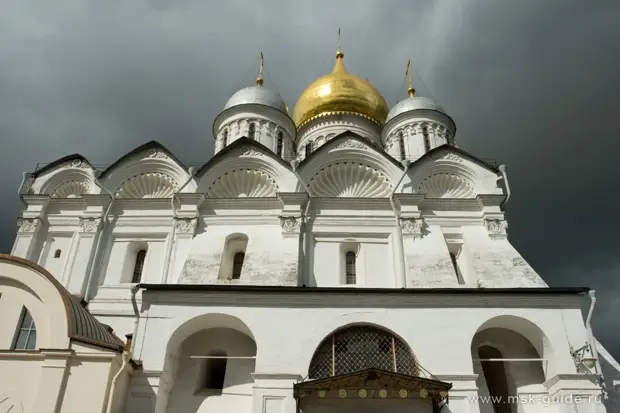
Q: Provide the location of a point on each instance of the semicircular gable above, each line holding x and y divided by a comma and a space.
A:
68, 179
65, 317
149, 171
246, 161
447, 173
349, 148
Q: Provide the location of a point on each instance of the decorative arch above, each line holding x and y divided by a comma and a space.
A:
446, 185
65, 182
350, 179
359, 347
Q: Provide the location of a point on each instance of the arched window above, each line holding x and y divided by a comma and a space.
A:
26, 337
427, 141
237, 265
280, 143
214, 372
359, 348
138, 266
308, 149
252, 131
225, 138
350, 276
57, 253
495, 377
401, 143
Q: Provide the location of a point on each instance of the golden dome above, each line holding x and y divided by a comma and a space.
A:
340, 93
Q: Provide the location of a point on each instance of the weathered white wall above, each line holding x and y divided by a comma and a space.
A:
270, 258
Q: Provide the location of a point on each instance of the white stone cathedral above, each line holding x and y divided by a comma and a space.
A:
350, 258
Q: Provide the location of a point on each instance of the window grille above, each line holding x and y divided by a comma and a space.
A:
308, 149
237, 265
138, 266
252, 131
350, 268
26, 338
359, 348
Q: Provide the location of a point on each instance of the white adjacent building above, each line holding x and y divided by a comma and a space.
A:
347, 258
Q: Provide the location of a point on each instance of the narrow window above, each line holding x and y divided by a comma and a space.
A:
215, 370
237, 265
279, 144
252, 131
350, 268
138, 266
225, 138
401, 143
57, 253
26, 338
454, 264
427, 141
308, 149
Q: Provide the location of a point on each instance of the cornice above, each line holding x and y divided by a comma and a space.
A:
240, 203
351, 203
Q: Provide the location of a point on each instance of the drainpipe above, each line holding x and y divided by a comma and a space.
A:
502, 170
25, 176
136, 311
94, 261
192, 173
126, 357
592, 341
401, 279
305, 237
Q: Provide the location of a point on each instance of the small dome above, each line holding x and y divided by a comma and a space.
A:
340, 92
413, 103
256, 95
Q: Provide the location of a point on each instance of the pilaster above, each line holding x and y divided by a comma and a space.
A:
570, 390
50, 390
80, 256
273, 393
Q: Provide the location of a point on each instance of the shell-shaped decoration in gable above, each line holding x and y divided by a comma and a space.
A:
242, 183
446, 185
71, 189
350, 179
75, 163
147, 185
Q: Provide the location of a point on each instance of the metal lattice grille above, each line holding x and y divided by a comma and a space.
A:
360, 348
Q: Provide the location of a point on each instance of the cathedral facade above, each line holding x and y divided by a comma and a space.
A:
346, 257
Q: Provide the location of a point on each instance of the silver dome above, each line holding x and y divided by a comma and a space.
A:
257, 95
413, 103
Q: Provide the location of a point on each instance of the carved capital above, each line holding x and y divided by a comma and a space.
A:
497, 228
185, 225
290, 225
411, 227
90, 224
28, 224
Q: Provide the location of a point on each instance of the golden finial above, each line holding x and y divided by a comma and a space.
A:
411, 90
259, 79
339, 54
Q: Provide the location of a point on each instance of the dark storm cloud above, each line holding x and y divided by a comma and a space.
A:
530, 83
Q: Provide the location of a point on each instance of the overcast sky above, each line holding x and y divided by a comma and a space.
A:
533, 84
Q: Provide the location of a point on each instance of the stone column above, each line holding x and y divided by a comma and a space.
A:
273, 393
51, 386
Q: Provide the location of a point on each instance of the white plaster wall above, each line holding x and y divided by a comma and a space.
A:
427, 260
496, 262
270, 258
335, 405
57, 266
118, 267
19, 379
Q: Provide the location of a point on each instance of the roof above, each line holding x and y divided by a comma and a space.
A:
361, 291
83, 326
